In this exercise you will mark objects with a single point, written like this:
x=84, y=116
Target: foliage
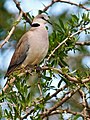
x=62, y=85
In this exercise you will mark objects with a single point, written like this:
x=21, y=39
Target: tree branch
x=40, y=90
x=24, y=14
x=70, y=78
x=72, y=3
x=58, y=111
x=83, y=43
x=57, y=91
x=65, y=1
x=48, y=112
x=39, y=101
x=65, y=40
x=12, y=30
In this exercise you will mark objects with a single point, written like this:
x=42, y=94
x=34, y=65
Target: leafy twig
x=65, y=40
x=70, y=78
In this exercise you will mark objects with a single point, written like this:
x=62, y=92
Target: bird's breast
x=38, y=47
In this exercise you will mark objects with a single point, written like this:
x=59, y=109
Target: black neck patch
x=35, y=25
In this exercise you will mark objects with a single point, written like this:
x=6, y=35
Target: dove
x=32, y=47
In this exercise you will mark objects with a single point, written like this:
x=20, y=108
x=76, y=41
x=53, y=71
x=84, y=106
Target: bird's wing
x=19, y=55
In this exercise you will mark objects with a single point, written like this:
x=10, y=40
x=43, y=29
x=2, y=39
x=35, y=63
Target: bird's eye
x=42, y=17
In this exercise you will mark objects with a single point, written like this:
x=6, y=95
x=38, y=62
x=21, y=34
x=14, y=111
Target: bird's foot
x=38, y=69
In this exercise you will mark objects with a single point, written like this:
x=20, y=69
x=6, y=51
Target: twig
x=10, y=82
x=40, y=90
x=72, y=3
x=39, y=101
x=84, y=103
x=12, y=30
x=70, y=78
x=86, y=80
x=58, y=111
x=24, y=14
x=47, y=7
x=60, y=44
x=28, y=113
x=18, y=19
x=57, y=91
x=7, y=85
x=65, y=1
x=83, y=43
x=48, y=112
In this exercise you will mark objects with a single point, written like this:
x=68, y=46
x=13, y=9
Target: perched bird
x=32, y=47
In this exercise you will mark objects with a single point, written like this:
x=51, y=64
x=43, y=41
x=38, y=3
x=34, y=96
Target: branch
x=39, y=101
x=83, y=43
x=18, y=19
x=28, y=113
x=86, y=80
x=59, y=111
x=85, y=104
x=57, y=91
x=65, y=40
x=12, y=30
x=10, y=82
x=72, y=3
x=68, y=96
x=24, y=14
x=70, y=78
x=65, y=1
x=40, y=89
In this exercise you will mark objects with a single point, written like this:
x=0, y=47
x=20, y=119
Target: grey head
x=41, y=19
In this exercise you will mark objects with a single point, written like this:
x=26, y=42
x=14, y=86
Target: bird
x=32, y=47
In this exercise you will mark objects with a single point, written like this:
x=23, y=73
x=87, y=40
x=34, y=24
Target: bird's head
x=41, y=19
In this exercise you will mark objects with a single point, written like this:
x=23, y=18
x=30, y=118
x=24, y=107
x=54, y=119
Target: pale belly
x=36, y=55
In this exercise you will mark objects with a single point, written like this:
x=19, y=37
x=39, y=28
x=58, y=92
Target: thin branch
x=70, y=78
x=57, y=91
x=47, y=7
x=18, y=19
x=83, y=43
x=10, y=82
x=40, y=90
x=65, y=1
x=39, y=101
x=58, y=111
x=12, y=30
x=65, y=40
x=72, y=3
x=28, y=113
x=84, y=103
x=48, y=112
x=24, y=14
x=86, y=80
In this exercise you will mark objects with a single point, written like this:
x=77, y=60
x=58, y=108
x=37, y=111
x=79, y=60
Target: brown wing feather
x=19, y=55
